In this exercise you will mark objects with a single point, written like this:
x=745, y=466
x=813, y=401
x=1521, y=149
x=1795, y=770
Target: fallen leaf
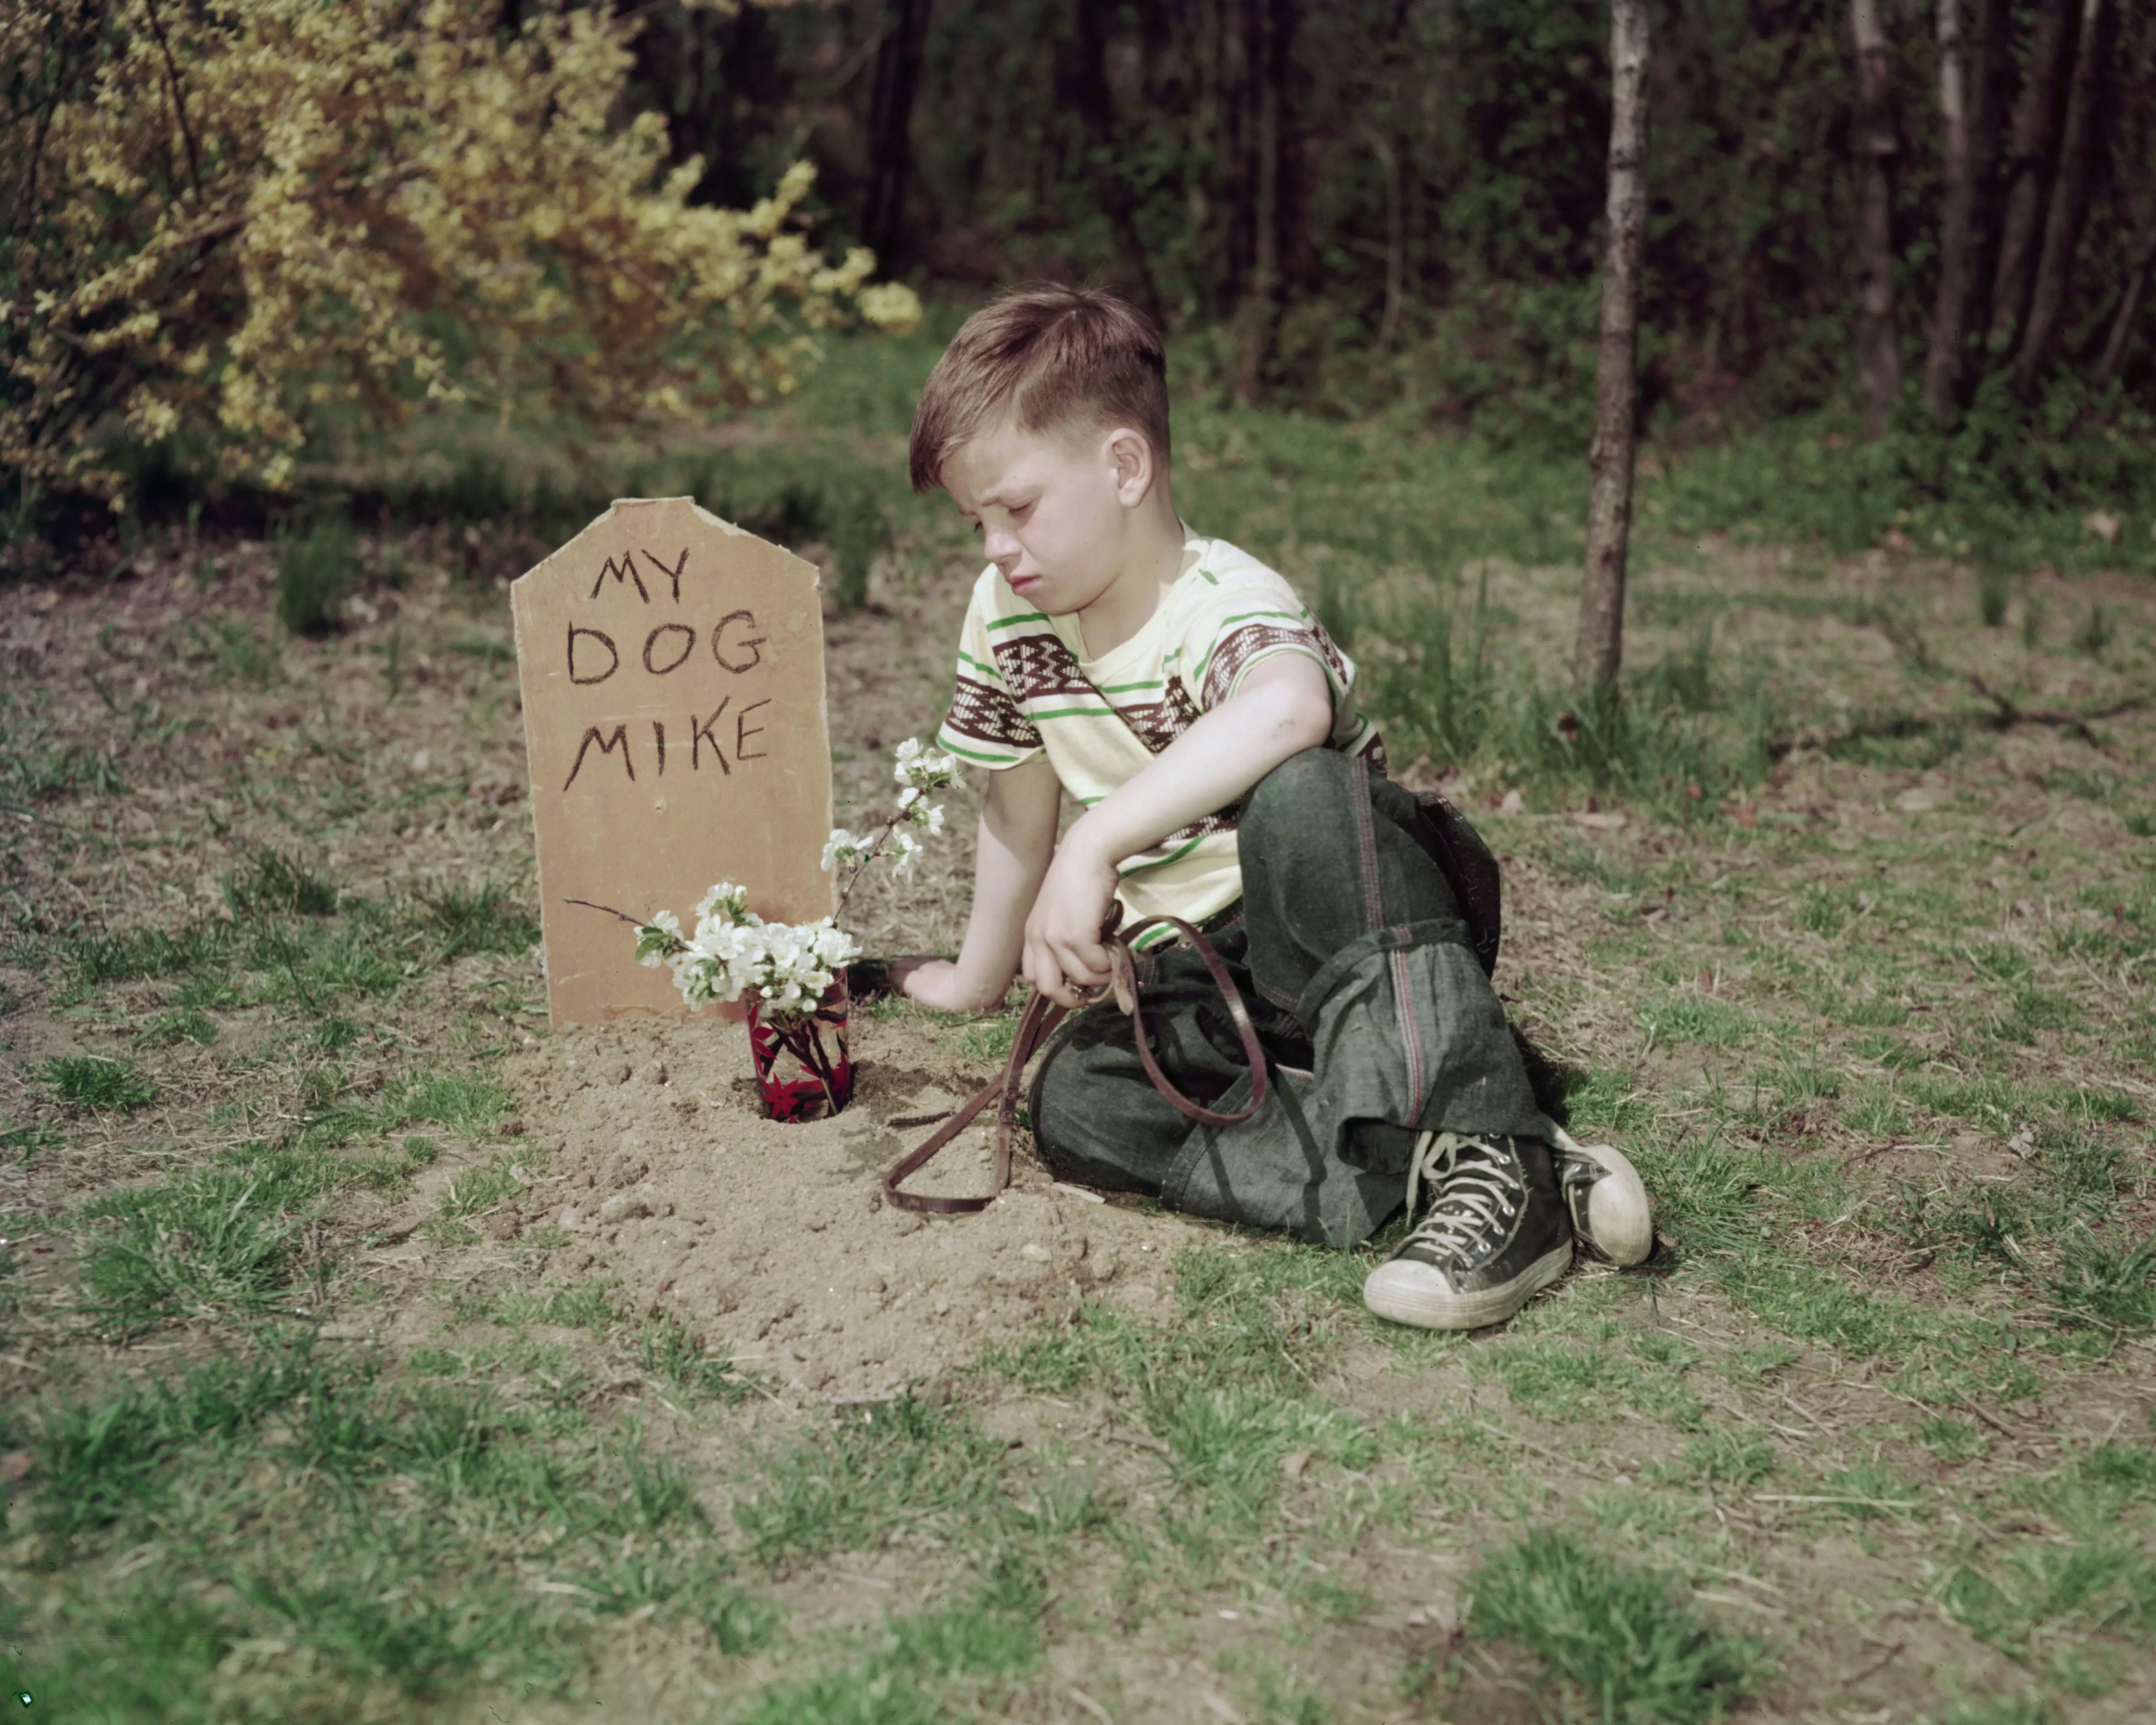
x=1293, y=1463
x=1512, y=803
x=1920, y=800
x=2104, y=524
x=1609, y=822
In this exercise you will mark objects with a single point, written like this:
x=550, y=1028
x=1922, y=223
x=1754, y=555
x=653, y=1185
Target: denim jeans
x=1379, y=1022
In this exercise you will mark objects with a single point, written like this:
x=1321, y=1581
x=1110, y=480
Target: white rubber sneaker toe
x=1609, y=1210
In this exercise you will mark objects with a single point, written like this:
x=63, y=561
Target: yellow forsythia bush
x=222, y=214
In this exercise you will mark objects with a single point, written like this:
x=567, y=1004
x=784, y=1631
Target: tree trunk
x=2034, y=133
x=891, y=130
x=1942, y=368
x=1878, y=353
x=1601, y=644
x=1971, y=104
x=1270, y=26
x=2129, y=308
x=2070, y=196
x=1090, y=98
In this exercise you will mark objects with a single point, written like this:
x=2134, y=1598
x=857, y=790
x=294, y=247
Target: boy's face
x=1054, y=508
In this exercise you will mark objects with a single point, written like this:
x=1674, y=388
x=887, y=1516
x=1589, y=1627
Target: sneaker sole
x=1619, y=1223
x=1393, y=1291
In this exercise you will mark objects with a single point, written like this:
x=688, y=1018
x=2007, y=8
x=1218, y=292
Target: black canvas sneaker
x=1495, y=1233
x=1610, y=1215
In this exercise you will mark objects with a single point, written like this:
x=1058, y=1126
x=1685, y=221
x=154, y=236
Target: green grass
x=2106, y=1283
x=581, y=1306
x=918, y=1668
x=468, y=920
x=890, y=1464
x=315, y=568
x=1584, y=1376
x=95, y=959
x=678, y=1357
x=37, y=768
x=186, y=1025
x=1624, y=1639
x=241, y=652
x=273, y=881
x=475, y=1191
x=288, y=1438
x=94, y=1084
x=1710, y=1024
x=211, y=1244
x=26, y=1141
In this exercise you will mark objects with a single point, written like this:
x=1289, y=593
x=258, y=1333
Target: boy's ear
x=1131, y=456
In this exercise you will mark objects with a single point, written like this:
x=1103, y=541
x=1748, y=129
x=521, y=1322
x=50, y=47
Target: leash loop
x=1040, y=1018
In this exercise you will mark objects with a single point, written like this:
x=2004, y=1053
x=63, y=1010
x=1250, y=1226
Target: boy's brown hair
x=1046, y=356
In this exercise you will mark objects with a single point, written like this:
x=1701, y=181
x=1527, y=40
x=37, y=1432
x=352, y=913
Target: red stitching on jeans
x=1410, y=1034
x=1366, y=847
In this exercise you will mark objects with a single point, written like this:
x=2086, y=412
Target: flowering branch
x=731, y=952
x=919, y=770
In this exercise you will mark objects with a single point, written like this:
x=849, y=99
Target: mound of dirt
x=773, y=1242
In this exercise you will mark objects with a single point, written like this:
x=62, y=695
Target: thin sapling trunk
x=1601, y=645
x=1878, y=354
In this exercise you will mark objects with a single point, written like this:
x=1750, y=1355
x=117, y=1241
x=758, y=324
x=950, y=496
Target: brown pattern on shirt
x=1037, y=665
x=1159, y=724
x=1241, y=645
x=983, y=711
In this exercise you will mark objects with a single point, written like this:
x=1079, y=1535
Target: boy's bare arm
x=1284, y=707
x=1016, y=840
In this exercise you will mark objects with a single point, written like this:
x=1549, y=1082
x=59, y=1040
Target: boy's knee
x=1301, y=789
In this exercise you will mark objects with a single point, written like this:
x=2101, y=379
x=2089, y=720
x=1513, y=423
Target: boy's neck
x=1152, y=559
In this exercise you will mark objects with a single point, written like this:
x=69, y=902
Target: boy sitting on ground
x=1176, y=689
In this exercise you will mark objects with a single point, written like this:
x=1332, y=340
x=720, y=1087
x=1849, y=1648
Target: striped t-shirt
x=1024, y=685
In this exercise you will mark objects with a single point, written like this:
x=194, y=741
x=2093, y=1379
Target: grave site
x=399, y=1330
x=494, y=504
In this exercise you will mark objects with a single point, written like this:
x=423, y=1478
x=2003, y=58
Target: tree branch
x=179, y=99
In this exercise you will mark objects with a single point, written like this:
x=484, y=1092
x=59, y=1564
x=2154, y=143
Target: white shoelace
x=1466, y=1196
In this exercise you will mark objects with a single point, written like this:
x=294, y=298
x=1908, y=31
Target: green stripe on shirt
x=944, y=740
x=1220, y=634
x=1307, y=649
x=1163, y=862
x=1023, y=617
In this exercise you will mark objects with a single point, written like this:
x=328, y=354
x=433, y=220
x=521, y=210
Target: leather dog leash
x=1041, y=1017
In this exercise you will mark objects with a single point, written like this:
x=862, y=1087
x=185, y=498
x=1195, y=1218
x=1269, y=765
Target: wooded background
x=1928, y=223
x=1373, y=199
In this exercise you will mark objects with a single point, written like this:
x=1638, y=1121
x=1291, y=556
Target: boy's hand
x=939, y=983
x=1063, y=949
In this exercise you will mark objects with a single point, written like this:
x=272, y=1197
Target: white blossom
x=923, y=769
x=904, y=848
x=843, y=846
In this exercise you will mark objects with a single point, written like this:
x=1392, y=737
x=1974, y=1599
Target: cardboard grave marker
x=672, y=670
